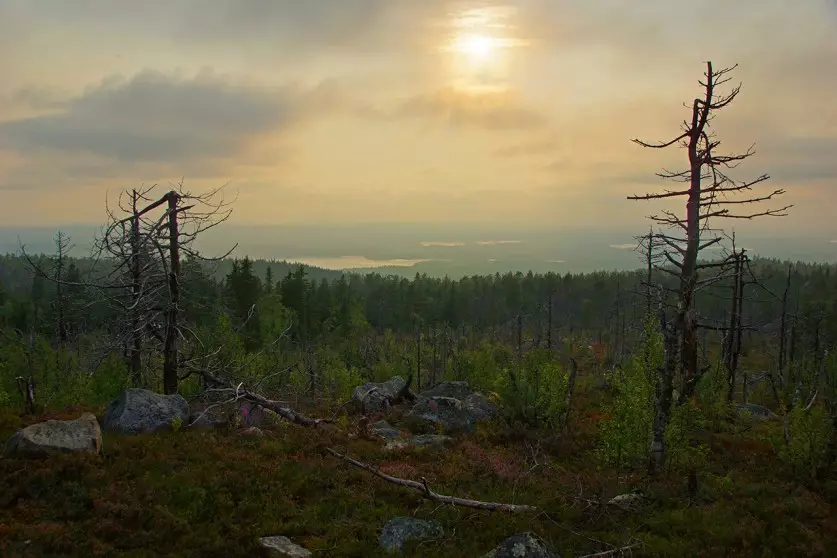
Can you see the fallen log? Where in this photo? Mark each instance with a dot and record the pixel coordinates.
(431, 495)
(241, 392)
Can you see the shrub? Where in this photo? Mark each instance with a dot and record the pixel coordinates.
(625, 439)
(809, 433)
(535, 394)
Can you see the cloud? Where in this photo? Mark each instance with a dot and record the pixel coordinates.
(494, 111)
(496, 242)
(157, 117)
(623, 246)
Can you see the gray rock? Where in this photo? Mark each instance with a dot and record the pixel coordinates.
(400, 529)
(480, 407)
(207, 417)
(282, 546)
(457, 390)
(757, 411)
(449, 413)
(628, 501)
(385, 430)
(139, 411)
(524, 545)
(50, 437)
(213, 415)
(425, 440)
(374, 398)
(454, 406)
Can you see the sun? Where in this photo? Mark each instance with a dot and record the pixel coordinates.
(477, 48)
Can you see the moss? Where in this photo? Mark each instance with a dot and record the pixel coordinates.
(194, 493)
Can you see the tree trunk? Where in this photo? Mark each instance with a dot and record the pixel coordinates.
(170, 352)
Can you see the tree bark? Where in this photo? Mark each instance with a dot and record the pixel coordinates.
(170, 351)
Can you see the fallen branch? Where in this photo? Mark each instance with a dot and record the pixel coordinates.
(285, 412)
(241, 392)
(429, 494)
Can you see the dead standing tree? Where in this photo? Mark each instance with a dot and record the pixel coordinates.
(710, 193)
(156, 244)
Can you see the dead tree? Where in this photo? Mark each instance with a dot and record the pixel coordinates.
(734, 334)
(62, 249)
(709, 193)
(138, 271)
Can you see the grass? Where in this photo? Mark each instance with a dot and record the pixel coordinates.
(209, 494)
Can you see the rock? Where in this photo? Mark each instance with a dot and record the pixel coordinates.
(252, 432)
(627, 501)
(374, 398)
(451, 414)
(524, 545)
(384, 430)
(50, 437)
(757, 411)
(251, 414)
(457, 390)
(214, 415)
(207, 417)
(480, 407)
(425, 440)
(400, 529)
(139, 411)
(454, 406)
(282, 546)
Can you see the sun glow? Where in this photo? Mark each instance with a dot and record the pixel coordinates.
(480, 49)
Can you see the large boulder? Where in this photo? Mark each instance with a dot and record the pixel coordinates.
(446, 412)
(400, 529)
(282, 546)
(452, 414)
(524, 545)
(376, 397)
(50, 437)
(453, 406)
(385, 430)
(139, 411)
(457, 390)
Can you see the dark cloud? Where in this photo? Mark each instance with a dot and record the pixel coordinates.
(162, 118)
(296, 24)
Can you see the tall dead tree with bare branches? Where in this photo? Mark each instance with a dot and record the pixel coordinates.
(149, 245)
(709, 193)
(139, 271)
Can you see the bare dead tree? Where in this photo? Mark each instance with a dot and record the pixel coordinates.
(734, 333)
(62, 249)
(138, 270)
(709, 193)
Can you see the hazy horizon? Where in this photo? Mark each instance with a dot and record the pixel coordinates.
(454, 250)
(415, 117)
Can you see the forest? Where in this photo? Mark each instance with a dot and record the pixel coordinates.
(688, 407)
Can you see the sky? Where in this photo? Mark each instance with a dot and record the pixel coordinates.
(420, 111)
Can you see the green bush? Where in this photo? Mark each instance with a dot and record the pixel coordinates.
(625, 437)
(536, 394)
(809, 433)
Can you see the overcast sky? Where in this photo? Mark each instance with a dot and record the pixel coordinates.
(327, 111)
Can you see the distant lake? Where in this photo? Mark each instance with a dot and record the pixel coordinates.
(355, 262)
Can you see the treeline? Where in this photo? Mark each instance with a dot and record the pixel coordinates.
(606, 305)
